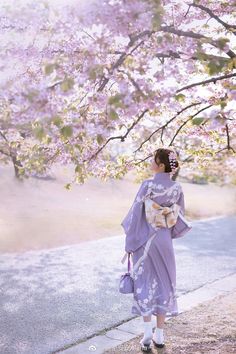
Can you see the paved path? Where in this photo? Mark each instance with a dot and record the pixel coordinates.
(53, 298)
(209, 328)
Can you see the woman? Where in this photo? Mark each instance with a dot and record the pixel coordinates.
(154, 268)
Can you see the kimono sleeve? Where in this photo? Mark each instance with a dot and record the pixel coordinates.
(182, 226)
(135, 225)
(181, 202)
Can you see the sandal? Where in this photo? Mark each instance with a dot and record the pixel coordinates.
(158, 345)
(146, 347)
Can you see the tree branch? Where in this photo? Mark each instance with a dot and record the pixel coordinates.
(213, 79)
(167, 123)
(231, 28)
(134, 83)
(121, 137)
(191, 34)
(228, 138)
(176, 55)
(181, 33)
(5, 153)
(3, 136)
(124, 55)
(186, 121)
(142, 160)
(166, 29)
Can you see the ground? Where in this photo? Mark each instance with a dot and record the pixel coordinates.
(208, 328)
(41, 214)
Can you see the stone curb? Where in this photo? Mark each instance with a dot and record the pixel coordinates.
(134, 327)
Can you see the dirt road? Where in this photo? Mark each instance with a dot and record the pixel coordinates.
(208, 328)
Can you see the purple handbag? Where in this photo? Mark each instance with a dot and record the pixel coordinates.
(126, 285)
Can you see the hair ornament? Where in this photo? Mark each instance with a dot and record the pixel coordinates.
(172, 159)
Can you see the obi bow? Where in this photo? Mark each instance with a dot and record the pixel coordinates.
(161, 216)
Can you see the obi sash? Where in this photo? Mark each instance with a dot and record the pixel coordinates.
(161, 216)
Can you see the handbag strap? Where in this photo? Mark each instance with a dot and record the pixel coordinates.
(128, 262)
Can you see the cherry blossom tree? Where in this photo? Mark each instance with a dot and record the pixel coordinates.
(102, 86)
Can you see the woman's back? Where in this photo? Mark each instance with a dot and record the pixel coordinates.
(163, 189)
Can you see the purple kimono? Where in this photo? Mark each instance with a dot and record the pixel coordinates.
(154, 269)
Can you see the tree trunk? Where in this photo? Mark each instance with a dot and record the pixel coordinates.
(175, 175)
(17, 164)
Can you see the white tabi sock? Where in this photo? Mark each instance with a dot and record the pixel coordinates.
(147, 338)
(158, 335)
